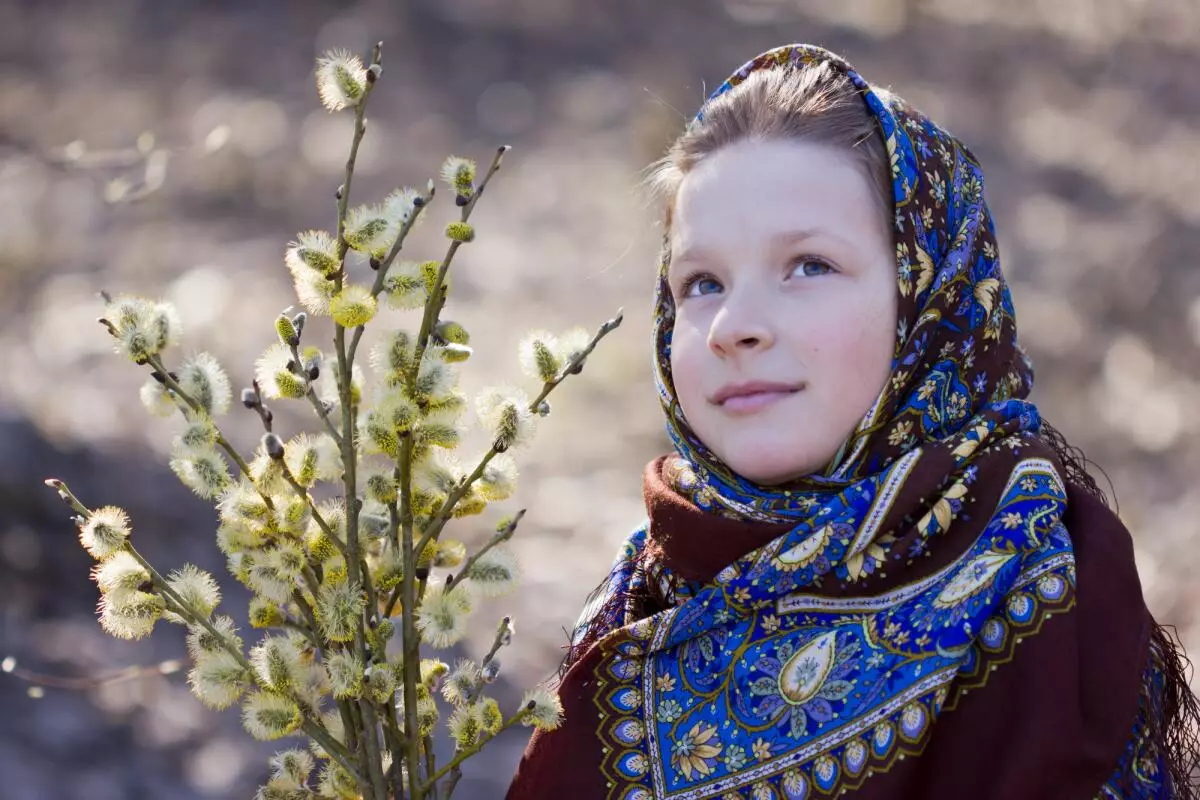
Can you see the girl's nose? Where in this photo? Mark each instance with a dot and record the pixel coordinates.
(739, 327)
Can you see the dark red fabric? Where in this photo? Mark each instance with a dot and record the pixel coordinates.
(690, 543)
(1050, 724)
(566, 762)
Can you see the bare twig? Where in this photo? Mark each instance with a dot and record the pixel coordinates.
(370, 736)
(451, 783)
(86, 682)
(260, 407)
(411, 641)
(395, 743)
(430, 765)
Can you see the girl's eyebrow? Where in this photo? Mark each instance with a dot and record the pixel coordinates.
(784, 238)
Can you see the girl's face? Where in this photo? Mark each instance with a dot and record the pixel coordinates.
(784, 281)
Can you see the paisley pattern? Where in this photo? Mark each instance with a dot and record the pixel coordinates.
(803, 669)
(808, 693)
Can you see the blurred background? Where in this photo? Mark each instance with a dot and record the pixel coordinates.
(174, 148)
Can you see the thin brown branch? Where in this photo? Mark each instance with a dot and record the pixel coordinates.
(174, 386)
(466, 752)
(87, 682)
(444, 513)
(502, 535)
(433, 305)
(385, 265)
(310, 726)
(311, 395)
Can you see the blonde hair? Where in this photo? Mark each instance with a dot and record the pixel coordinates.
(814, 103)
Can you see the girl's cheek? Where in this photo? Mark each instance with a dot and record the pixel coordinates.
(686, 361)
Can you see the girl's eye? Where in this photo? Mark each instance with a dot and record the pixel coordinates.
(811, 267)
(698, 284)
(702, 283)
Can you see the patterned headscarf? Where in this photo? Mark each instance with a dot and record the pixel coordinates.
(956, 359)
(912, 564)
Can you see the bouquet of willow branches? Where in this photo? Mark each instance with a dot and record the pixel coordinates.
(346, 589)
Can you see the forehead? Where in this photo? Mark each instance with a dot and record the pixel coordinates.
(768, 192)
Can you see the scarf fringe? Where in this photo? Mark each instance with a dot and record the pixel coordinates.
(1175, 721)
(1075, 465)
(605, 610)
(1174, 724)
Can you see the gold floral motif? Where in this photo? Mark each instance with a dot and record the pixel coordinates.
(899, 434)
(939, 517)
(856, 564)
(694, 754)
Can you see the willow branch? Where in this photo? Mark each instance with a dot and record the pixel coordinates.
(174, 386)
(503, 535)
(451, 783)
(374, 775)
(444, 513)
(310, 726)
(395, 744)
(359, 129)
(433, 305)
(465, 753)
(312, 507)
(375, 758)
(430, 764)
(311, 394)
(411, 639)
(385, 265)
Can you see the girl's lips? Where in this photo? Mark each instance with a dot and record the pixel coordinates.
(751, 403)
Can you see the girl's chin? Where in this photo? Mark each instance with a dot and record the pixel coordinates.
(759, 467)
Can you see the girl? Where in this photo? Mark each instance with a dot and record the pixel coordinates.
(869, 566)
